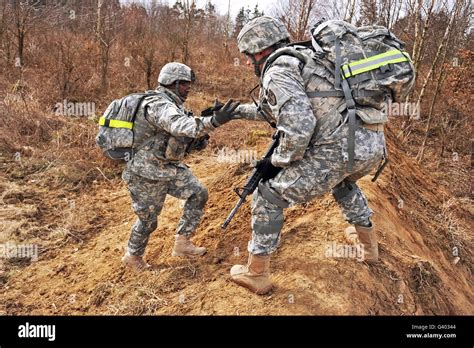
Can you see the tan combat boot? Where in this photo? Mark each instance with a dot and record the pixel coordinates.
(367, 238)
(135, 262)
(184, 247)
(255, 275)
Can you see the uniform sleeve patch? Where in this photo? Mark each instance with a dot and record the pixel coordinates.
(271, 98)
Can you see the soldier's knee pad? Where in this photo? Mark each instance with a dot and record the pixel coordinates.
(273, 221)
(147, 216)
(274, 226)
(344, 190)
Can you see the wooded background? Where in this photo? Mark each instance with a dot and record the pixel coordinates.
(98, 50)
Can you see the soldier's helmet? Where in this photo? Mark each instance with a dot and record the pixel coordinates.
(261, 33)
(172, 72)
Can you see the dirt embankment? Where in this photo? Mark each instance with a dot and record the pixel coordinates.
(82, 229)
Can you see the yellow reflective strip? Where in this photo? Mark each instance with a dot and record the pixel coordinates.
(375, 66)
(351, 69)
(376, 57)
(120, 124)
(116, 123)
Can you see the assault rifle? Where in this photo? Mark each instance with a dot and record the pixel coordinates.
(252, 181)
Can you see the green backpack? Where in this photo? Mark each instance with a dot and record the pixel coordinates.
(116, 136)
(368, 66)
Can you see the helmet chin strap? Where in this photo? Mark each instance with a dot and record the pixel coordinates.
(176, 88)
(256, 63)
(176, 91)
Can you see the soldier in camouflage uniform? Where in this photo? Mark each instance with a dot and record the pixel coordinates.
(156, 169)
(311, 158)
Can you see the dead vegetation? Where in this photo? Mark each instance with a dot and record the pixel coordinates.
(58, 192)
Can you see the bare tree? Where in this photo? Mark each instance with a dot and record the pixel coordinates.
(144, 27)
(443, 42)
(5, 36)
(368, 12)
(298, 16)
(454, 38)
(397, 9)
(189, 19)
(107, 23)
(419, 42)
(350, 10)
(25, 15)
(439, 83)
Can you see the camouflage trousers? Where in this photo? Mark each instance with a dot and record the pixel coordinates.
(148, 197)
(323, 168)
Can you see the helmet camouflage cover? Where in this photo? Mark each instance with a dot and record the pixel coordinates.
(172, 72)
(261, 33)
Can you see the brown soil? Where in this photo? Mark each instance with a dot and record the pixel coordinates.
(82, 233)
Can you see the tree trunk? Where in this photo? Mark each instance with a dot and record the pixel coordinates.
(417, 17)
(352, 11)
(430, 72)
(439, 83)
(418, 54)
(435, 60)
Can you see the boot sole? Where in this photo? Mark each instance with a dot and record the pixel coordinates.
(135, 268)
(252, 289)
(175, 254)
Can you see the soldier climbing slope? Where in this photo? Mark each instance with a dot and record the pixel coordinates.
(156, 168)
(316, 151)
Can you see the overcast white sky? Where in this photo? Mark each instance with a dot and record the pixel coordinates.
(222, 5)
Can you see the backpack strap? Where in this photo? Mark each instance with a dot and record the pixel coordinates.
(351, 114)
(339, 93)
(287, 50)
(337, 69)
(284, 51)
(149, 139)
(111, 123)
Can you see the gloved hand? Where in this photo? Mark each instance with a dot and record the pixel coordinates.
(210, 110)
(268, 170)
(225, 114)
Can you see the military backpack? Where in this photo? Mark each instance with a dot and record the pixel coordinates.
(116, 135)
(367, 67)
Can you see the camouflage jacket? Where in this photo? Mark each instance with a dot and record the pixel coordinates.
(302, 121)
(166, 129)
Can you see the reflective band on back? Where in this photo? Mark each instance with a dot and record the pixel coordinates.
(371, 63)
(115, 123)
